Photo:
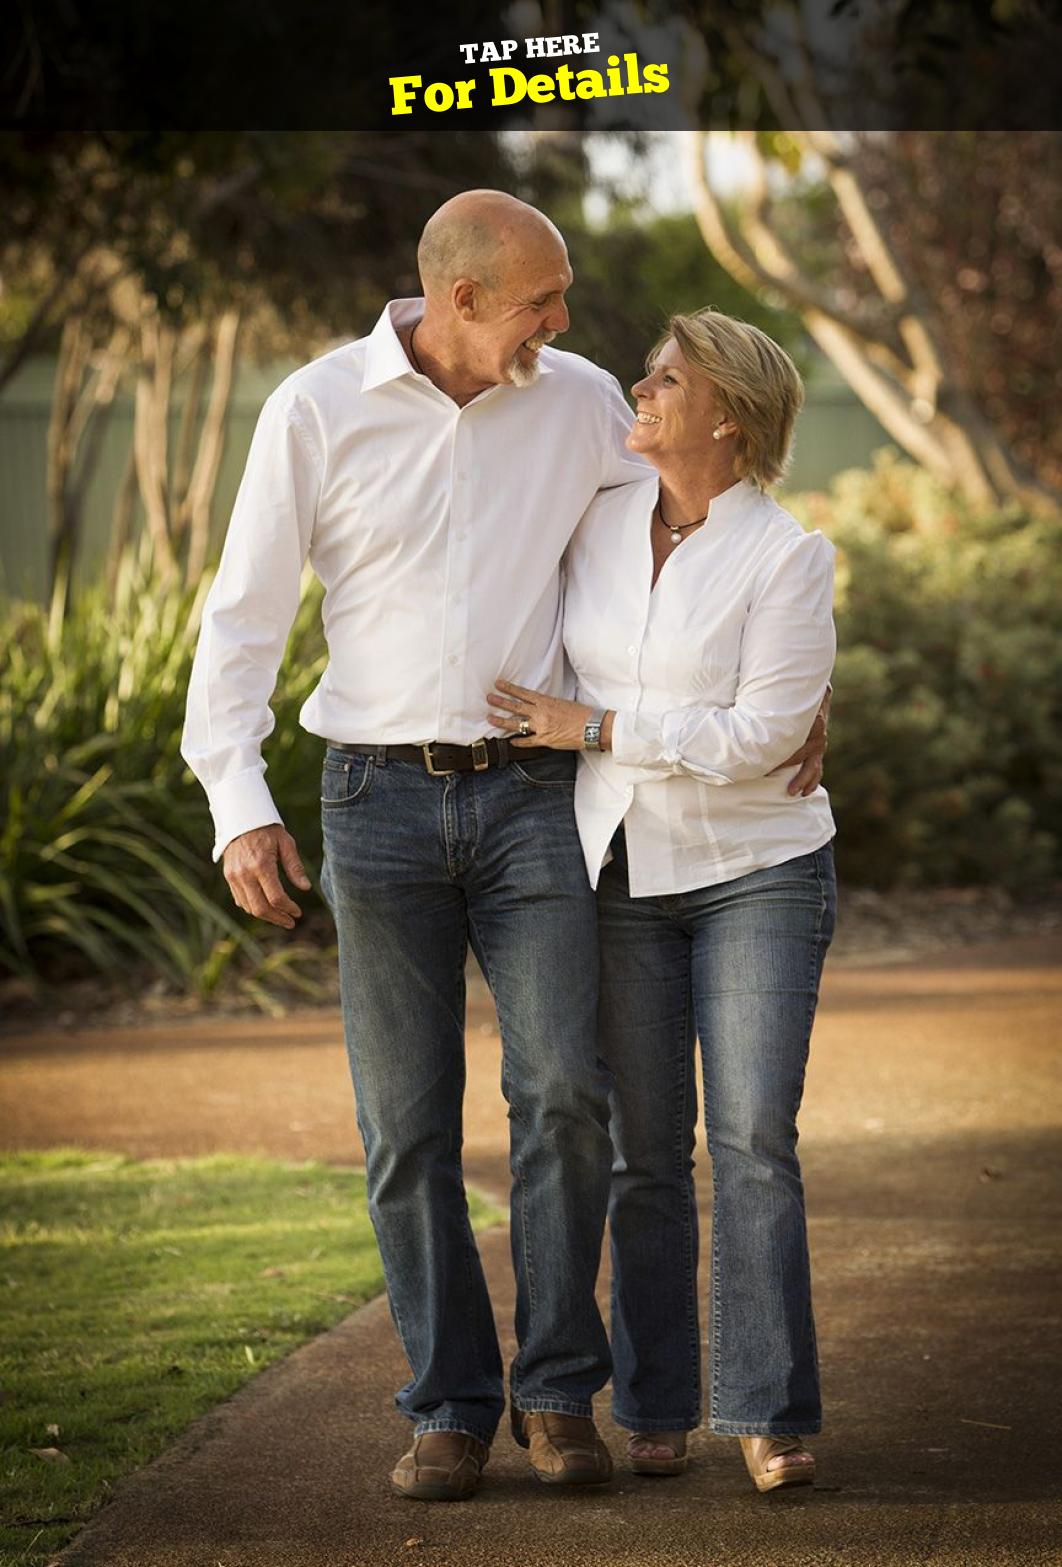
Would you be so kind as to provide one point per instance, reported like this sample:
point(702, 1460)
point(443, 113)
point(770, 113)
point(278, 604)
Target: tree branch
point(764, 244)
point(881, 396)
point(770, 268)
point(895, 288)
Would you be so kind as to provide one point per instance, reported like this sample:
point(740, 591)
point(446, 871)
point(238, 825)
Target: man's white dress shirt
point(437, 532)
point(715, 676)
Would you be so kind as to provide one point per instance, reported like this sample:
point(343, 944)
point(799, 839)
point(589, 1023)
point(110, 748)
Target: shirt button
point(632, 651)
point(462, 535)
point(453, 659)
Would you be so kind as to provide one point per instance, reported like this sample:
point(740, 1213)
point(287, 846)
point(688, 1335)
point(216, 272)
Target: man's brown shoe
point(441, 1466)
point(565, 1449)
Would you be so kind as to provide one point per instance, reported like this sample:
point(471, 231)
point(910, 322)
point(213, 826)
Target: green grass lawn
point(135, 1295)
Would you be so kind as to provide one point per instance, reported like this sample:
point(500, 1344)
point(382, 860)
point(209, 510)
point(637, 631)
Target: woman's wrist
point(606, 730)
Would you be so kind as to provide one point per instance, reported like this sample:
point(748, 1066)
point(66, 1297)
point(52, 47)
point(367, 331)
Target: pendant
point(676, 536)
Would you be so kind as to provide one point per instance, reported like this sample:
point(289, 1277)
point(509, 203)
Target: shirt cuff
point(239, 804)
point(638, 740)
point(651, 740)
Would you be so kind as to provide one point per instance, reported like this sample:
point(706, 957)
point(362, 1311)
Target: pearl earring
point(717, 435)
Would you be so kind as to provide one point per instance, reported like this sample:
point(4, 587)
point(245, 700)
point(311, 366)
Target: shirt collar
point(728, 504)
point(385, 358)
point(732, 502)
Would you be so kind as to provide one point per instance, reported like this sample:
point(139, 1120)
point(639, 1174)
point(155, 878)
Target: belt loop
point(503, 752)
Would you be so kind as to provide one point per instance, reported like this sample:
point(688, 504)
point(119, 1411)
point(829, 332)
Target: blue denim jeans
point(738, 965)
point(416, 867)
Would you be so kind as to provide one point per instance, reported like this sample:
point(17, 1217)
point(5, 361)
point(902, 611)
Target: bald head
point(480, 234)
point(495, 272)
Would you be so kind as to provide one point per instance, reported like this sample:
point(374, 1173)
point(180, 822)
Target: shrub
point(105, 836)
point(945, 763)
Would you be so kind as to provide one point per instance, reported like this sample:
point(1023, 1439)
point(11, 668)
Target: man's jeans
point(415, 867)
point(737, 964)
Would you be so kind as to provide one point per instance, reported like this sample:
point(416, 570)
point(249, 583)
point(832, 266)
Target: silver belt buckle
point(436, 772)
point(480, 758)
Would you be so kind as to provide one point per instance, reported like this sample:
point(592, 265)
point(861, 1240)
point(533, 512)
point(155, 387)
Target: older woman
point(698, 622)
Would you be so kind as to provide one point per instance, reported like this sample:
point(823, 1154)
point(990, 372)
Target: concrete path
point(932, 1155)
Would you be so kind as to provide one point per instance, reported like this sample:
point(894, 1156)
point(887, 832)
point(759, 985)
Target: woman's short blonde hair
point(757, 382)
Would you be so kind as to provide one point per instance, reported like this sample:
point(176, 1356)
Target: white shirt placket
point(456, 596)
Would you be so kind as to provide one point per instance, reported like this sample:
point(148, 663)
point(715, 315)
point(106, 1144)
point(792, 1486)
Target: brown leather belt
point(440, 758)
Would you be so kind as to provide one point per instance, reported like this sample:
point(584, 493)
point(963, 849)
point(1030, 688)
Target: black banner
point(278, 64)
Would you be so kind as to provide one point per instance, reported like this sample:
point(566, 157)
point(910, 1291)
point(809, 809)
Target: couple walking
point(574, 714)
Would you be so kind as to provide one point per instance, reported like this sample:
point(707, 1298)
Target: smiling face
point(509, 318)
point(678, 409)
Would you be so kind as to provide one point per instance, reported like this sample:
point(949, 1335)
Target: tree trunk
point(80, 411)
point(62, 523)
point(122, 521)
point(197, 348)
point(150, 435)
point(211, 445)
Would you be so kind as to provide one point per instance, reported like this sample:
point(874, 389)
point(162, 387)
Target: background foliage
point(103, 847)
point(972, 217)
point(946, 758)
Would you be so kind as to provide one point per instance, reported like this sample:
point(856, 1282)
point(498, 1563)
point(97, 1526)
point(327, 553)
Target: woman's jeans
point(415, 867)
point(738, 965)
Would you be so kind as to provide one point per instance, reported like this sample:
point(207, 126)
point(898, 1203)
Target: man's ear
point(463, 298)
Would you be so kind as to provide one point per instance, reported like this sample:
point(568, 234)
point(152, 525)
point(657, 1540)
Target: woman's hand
point(553, 721)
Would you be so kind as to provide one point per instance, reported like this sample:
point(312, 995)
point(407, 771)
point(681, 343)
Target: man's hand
point(811, 753)
point(251, 870)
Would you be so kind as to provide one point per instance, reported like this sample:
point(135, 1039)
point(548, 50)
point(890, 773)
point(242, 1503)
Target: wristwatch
point(592, 731)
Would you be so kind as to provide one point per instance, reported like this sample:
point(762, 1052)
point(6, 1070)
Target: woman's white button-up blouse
point(715, 676)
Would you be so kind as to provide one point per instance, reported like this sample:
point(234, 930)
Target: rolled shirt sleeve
point(787, 653)
point(246, 619)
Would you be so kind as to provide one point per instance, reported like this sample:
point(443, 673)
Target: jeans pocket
point(556, 771)
point(345, 779)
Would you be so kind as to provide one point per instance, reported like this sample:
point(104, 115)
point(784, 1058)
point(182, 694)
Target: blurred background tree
point(974, 221)
point(883, 258)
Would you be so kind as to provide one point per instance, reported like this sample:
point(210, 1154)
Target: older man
point(433, 473)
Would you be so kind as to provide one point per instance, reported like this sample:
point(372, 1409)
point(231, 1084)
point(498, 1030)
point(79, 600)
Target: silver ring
point(525, 728)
